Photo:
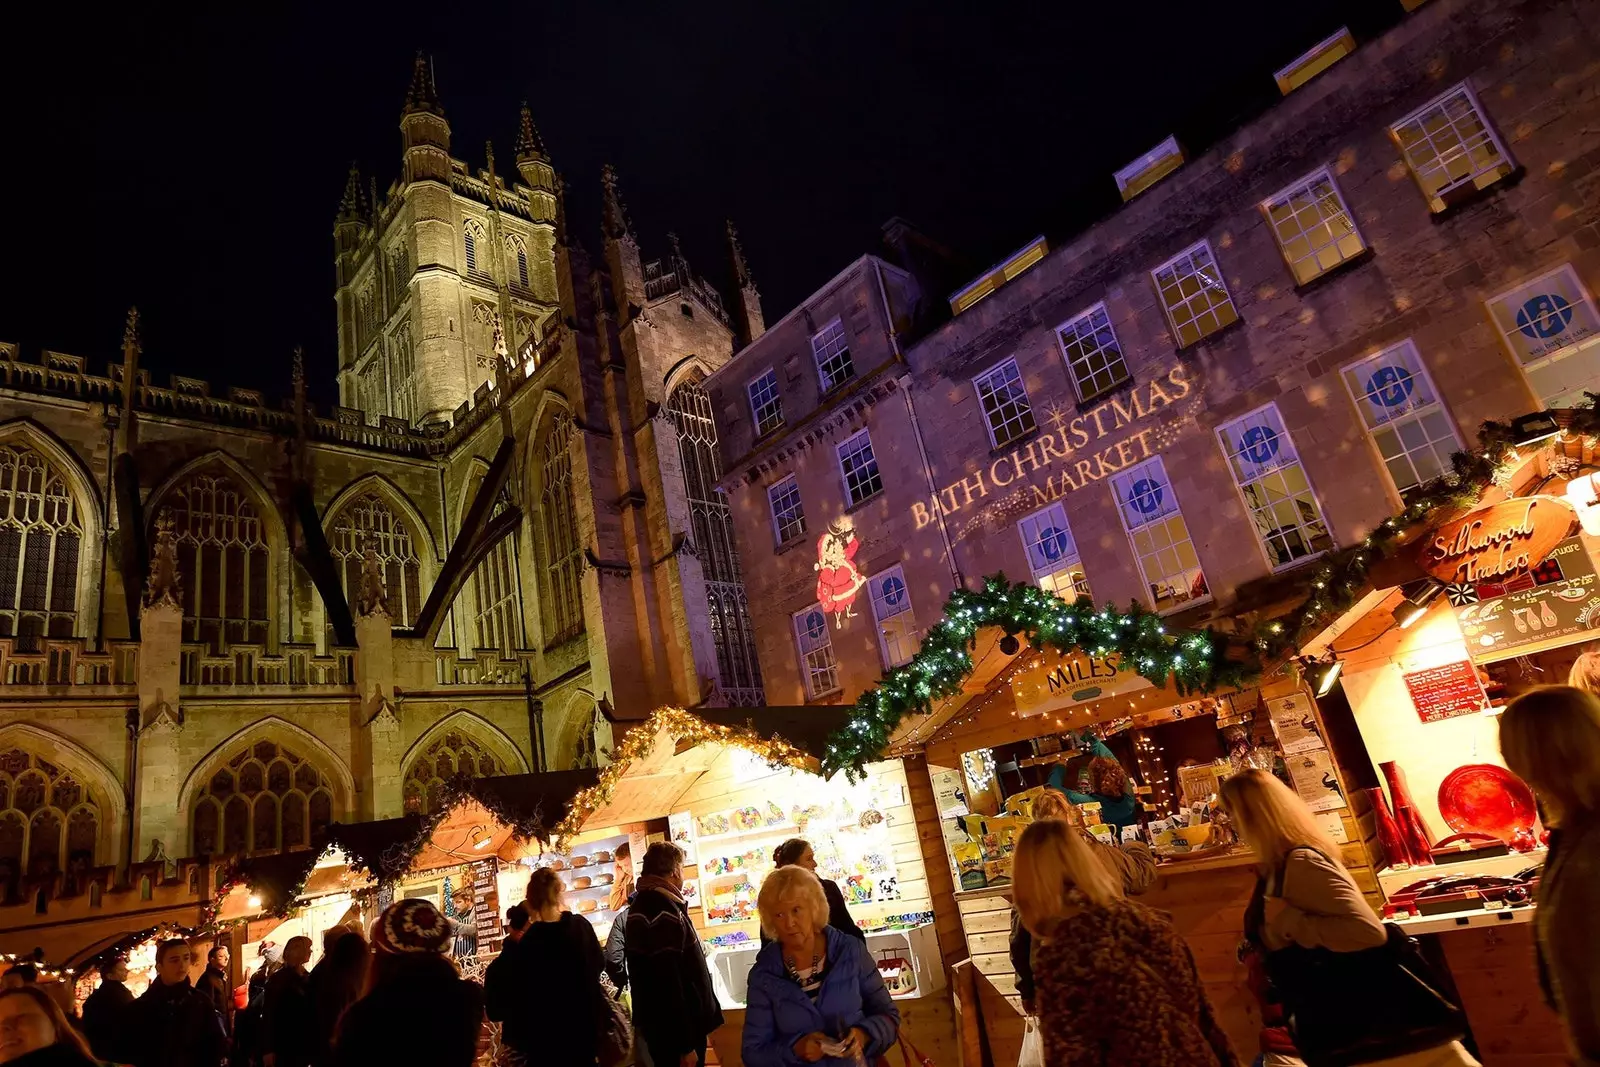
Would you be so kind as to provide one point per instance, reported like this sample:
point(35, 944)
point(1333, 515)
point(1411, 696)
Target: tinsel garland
point(1185, 660)
point(683, 728)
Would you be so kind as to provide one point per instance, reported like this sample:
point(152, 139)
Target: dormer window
point(1149, 168)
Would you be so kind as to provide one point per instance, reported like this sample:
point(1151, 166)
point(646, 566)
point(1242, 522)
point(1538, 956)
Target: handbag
point(616, 1032)
point(909, 1051)
point(1347, 1008)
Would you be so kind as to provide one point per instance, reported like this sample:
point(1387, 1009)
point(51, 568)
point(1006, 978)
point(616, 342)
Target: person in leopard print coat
point(1116, 984)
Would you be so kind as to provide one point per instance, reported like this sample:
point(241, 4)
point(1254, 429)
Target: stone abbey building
point(226, 621)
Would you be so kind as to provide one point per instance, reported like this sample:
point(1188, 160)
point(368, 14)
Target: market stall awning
point(662, 758)
point(110, 946)
point(478, 818)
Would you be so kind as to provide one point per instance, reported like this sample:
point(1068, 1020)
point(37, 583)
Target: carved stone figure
point(162, 587)
point(372, 598)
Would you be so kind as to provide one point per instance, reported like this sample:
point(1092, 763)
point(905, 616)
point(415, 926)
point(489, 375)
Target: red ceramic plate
point(1487, 799)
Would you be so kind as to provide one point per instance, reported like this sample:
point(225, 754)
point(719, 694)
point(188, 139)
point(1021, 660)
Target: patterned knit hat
point(412, 925)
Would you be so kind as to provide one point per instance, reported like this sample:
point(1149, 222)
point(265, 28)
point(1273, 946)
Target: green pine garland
point(1190, 661)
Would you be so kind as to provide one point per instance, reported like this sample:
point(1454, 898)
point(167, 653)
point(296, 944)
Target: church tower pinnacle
point(424, 133)
point(533, 164)
point(749, 319)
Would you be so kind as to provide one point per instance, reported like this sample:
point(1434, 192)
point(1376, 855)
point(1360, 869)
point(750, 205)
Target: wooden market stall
point(727, 786)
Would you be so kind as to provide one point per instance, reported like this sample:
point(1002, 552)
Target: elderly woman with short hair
point(815, 994)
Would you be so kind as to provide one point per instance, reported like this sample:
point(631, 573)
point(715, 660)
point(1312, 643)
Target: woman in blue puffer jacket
point(815, 994)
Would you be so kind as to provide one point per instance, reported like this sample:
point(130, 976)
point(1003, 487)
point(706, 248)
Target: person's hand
point(689, 1059)
point(809, 1048)
point(1028, 1006)
point(855, 1042)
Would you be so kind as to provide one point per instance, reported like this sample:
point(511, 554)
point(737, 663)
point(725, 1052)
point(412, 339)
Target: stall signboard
point(1058, 681)
point(1560, 600)
point(1313, 777)
point(1446, 691)
point(1499, 543)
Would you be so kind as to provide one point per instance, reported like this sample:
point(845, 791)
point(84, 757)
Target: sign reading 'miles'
point(1497, 543)
point(1061, 681)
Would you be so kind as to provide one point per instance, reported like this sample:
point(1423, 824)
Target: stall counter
point(1205, 899)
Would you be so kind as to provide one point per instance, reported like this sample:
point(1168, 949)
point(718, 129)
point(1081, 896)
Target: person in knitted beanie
point(411, 977)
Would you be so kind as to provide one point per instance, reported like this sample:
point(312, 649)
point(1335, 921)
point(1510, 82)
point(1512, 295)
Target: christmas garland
point(1188, 661)
point(1191, 661)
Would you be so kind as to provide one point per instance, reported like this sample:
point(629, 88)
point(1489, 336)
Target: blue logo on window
point(1546, 315)
point(1390, 386)
point(816, 625)
point(1052, 543)
point(894, 591)
point(1259, 443)
point(1145, 495)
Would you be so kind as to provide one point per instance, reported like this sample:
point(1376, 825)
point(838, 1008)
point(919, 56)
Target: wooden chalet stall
point(729, 785)
point(1008, 728)
point(1497, 599)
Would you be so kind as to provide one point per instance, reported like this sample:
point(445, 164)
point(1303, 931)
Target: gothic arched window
point(496, 585)
point(222, 560)
point(731, 629)
point(474, 237)
point(370, 517)
point(41, 534)
point(455, 753)
point(49, 820)
point(563, 562)
point(402, 376)
point(262, 799)
point(517, 252)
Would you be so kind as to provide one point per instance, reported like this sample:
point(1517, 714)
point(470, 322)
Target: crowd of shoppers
point(1110, 981)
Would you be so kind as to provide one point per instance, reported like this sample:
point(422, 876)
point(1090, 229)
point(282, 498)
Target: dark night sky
point(191, 163)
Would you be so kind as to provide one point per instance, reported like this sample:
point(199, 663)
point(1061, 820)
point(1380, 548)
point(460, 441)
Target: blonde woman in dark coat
point(1550, 738)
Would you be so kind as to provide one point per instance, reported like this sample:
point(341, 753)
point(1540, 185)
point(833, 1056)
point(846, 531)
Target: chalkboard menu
point(1561, 601)
point(1446, 691)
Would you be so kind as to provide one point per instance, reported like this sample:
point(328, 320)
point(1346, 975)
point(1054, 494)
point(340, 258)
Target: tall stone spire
point(423, 94)
point(614, 217)
point(530, 146)
point(742, 278)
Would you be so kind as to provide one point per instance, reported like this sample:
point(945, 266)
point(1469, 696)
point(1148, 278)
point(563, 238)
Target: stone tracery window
point(264, 798)
point(49, 820)
point(369, 516)
point(41, 535)
point(453, 754)
point(563, 562)
point(222, 559)
point(402, 376)
point(739, 674)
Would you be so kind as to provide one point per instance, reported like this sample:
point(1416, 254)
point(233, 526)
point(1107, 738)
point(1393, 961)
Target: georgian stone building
point(506, 540)
point(1250, 362)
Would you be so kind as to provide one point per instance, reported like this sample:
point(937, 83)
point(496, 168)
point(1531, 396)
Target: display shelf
point(587, 888)
point(1391, 881)
point(733, 835)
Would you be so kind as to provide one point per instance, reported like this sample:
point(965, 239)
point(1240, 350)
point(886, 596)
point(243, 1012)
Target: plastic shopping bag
point(1032, 1046)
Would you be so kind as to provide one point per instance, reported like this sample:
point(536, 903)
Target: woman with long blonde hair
point(1304, 897)
point(1585, 672)
point(1550, 738)
point(1115, 984)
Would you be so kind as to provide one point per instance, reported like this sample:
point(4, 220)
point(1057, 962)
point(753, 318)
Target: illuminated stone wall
point(1424, 277)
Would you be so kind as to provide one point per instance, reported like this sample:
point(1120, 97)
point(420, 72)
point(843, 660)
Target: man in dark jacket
point(106, 1012)
point(216, 984)
point(174, 1024)
point(674, 1006)
point(287, 1020)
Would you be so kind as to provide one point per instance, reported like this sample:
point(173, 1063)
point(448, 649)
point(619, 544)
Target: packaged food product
point(580, 883)
point(969, 864)
point(602, 856)
point(580, 861)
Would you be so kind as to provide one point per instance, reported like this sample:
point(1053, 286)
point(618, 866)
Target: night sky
point(192, 163)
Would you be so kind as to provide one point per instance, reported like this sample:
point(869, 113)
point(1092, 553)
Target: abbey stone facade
point(227, 621)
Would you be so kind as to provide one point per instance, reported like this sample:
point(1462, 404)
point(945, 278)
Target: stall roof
point(806, 727)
